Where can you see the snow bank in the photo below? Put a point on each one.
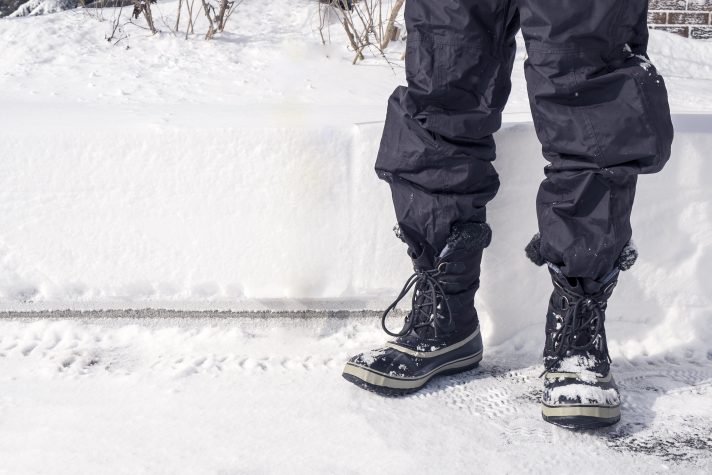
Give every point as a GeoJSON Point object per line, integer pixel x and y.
{"type": "Point", "coordinates": [231, 173]}
{"type": "Point", "coordinates": [153, 214]}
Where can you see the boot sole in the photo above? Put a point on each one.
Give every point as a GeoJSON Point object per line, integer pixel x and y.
{"type": "Point", "coordinates": [581, 417]}
{"type": "Point", "coordinates": [387, 385]}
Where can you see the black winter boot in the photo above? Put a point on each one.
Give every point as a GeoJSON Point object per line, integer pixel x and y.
{"type": "Point", "coordinates": [579, 390]}
{"type": "Point", "coordinates": [441, 334]}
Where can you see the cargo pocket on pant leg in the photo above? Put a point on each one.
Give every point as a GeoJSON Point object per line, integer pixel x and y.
{"type": "Point", "coordinates": [630, 116]}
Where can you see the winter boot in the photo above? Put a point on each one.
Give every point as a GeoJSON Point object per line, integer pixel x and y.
{"type": "Point", "coordinates": [441, 334]}
{"type": "Point", "coordinates": [579, 390]}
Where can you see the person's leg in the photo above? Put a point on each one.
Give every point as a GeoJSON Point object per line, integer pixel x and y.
{"type": "Point", "coordinates": [600, 111]}
{"type": "Point", "coordinates": [436, 154]}
{"type": "Point", "coordinates": [437, 147]}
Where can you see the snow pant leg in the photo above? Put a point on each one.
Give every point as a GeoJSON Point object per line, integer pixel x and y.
{"type": "Point", "coordinates": [601, 113]}
{"type": "Point", "coordinates": [437, 148]}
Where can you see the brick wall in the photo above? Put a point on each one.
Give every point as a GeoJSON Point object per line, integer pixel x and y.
{"type": "Point", "coordinates": [691, 18]}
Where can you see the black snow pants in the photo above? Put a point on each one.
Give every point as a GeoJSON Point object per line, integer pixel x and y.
{"type": "Point", "coordinates": [599, 106]}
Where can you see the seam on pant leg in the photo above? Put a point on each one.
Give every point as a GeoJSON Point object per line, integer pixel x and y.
{"type": "Point", "coordinates": [611, 207]}
{"type": "Point", "coordinates": [545, 139]}
{"type": "Point", "coordinates": [570, 85]}
{"type": "Point", "coordinates": [616, 27]}
{"type": "Point", "coordinates": [578, 80]}
{"type": "Point", "coordinates": [591, 131]}
{"type": "Point", "coordinates": [440, 80]}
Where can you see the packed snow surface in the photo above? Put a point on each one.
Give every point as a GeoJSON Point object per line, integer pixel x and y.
{"type": "Point", "coordinates": [221, 395]}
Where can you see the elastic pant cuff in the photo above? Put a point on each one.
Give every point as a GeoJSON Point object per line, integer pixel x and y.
{"type": "Point", "coordinates": [625, 260]}
{"type": "Point", "coordinates": [468, 236]}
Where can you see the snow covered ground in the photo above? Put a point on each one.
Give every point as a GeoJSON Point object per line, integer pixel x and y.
{"type": "Point", "coordinates": [237, 174]}
{"type": "Point", "coordinates": [160, 394]}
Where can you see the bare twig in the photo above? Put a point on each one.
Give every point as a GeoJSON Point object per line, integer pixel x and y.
{"type": "Point", "coordinates": [231, 10]}
{"type": "Point", "coordinates": [189, 29]}
{"type": "Point", "coordinates": [115, 24]}
{"type": "Point", "coordinates": [362, 22]}
{"type": "Point", "coordinates": [390, 27]}
{"type": "Point", "coordinates": [209, 11]}
{"type": "Point", "coordinates": [144, 6]}
{"type": "Point", "coordinates": [180, 7]}
{"type": "Point", "coordinates": [220, 17]}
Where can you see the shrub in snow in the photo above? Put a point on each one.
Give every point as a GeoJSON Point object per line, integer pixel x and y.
{"type": "Point", "coordinates": [41, 7]}
{"type": "Point", "coordinates": [368, 24]}
{"type": "Point", "coordinates": [144, 6]}
{"type": "Point", "coordinates": [9, 6]}
{"type": "Point", "coordinates": [217, 12]}
{"type": "Point", "coordinates": [217, 17]}
{"type": "Point", "coordinates": [342, 4]}
{"type": "Point", "coordinates": [108, 3]}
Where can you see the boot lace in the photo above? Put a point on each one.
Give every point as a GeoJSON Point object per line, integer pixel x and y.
{"type": "Point", "coordinates": [583, 322]}
{"type": "Point", "coordinates": [427, 295]}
